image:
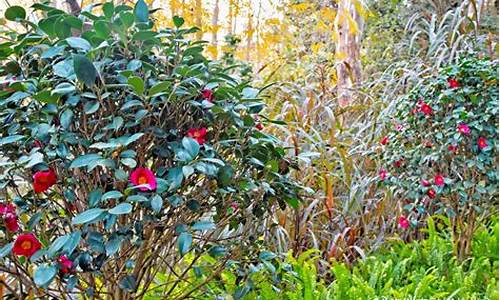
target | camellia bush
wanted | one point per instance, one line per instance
(122, 150)
(440, 154)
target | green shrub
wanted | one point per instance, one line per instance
(440, 154)
(124, 149)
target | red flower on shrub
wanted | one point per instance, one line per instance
(398, 163)
(439, 180)
(208, 95)
(145, 178)
(482, 142)
(464, 129)
(43, 180)
(10, 220)
(426, 183)
(384, 140)
(65, 264)
(424, 108)
(259, 125)
(198, 134)
(403, 222)
(26, 245)
(428, 144)
(382, 174)
(7, 208)
(452, 148)
(37, 144)
(453, 83)
(399, 127)
(431, 193)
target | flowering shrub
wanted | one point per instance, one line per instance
(123, 149)
(440, 154)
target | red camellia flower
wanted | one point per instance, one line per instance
(382, 174)
(453, 83)
(426, 183)
(403, 222)
(259, 126)
(452, 148)
(43, 180)
(208, 95)
(431, 193)
(464, 129)
(482, 142)
(198, 134)
(439, 180)
(37, 144)
(145, 178)
(426, 109)
(398, 163)
(10, 221)
(26, 245)
(428, 144)
(65, 264)
(384, 140)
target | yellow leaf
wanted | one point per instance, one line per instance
(353, 26)
(327, 14)
(340, 56)
(212, 50)
(301, 7)
(316, 47)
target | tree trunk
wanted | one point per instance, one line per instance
(198, 16)
(249, 36)
(215, 21)
(348, 23)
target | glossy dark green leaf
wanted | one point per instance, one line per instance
(184, 242)
(44, 274)
(15, 13)
(141, 11)
(79, 43)
(84, 69)
(178, 21)
(121, 209)
(88, 216)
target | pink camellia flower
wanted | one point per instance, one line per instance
(399, 127)
(464, 129)
(208, 94)
(26, 245)
(37, 144)
(482, 142)
(198, 134)
(439, 180)
(10, 221)
(66, 265)
(382, 174)
(144, 177)
(426, 183)
(453, 83)
(7, 208)
(403, 222)
(43, 180)
(452, 148)
(431, 193)
(384, 140)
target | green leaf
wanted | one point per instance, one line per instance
(108, 10)
(73, 242)
(174, 178)
(84, 69)
(91, 107)
(14, 13)
(225, 175)
(184, 242)
(5, 250)
(141, 11)
(10, 139)
(46, 96)
(191, 146)
(178, 21)
(44, 274)
(156, 203)
(121, 209)
(88, 216)
(102, 29)
(57, 245)
(84, 160)
(66, 118)
(137, 84)
(159, 88)
(203, 225)
(112, 246)
(79, 43)
(112, 195)
(52, 51)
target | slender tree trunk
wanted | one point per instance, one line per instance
(249, 35)
(348, 45)
(230, 17)
(215, 29)
(198, 16)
